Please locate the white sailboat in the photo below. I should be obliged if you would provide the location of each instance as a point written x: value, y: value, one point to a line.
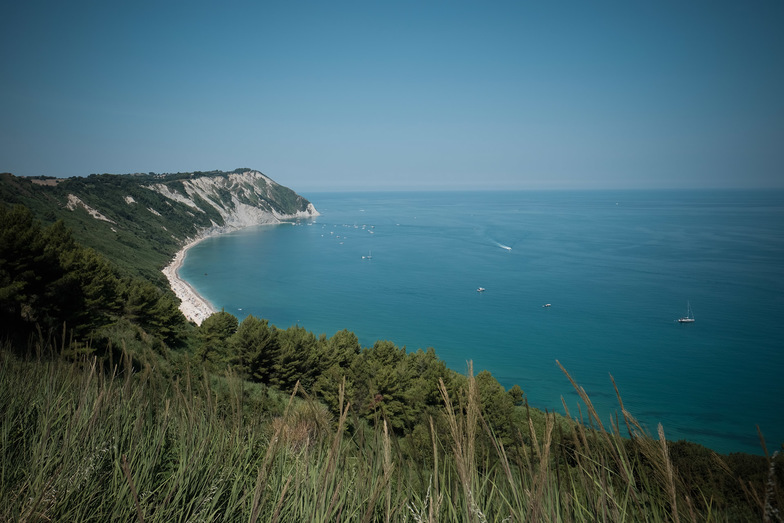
x: 689, y: 318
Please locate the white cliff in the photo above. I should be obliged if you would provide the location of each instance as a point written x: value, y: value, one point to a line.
x: 242, y: 200
x: 251, y: 199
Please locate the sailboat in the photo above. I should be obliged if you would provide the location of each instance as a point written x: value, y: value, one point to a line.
x: 689, y: 318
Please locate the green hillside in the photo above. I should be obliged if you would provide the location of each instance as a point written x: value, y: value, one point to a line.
x: 139, y: 228
x: 115, y: 408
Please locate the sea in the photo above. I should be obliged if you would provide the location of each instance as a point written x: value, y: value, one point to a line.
x: 594, y: 280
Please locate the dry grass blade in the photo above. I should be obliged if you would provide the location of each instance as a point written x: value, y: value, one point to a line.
x: 619, y: 459
x: 329, y: 472
x: 127, y: 472
x: 261, y: 480
x: 670, y: 479
x: 279, y: 505
x: 383, y: 483
x: 623, y: 409
x: 435, y: 501
x: 463, y: 429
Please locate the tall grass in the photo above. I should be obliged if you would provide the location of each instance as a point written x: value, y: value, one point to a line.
x: 78, y: 443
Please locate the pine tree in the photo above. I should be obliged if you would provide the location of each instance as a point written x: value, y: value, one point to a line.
x: 254, y: 348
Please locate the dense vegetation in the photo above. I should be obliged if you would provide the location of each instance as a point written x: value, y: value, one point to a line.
x: 48, y: 282
x: 115, y: 408
x: 145, y: 227
x: 100, y: 440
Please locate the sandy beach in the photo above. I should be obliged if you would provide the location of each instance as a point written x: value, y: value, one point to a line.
x: 237, y: 216
x: 193, y: 306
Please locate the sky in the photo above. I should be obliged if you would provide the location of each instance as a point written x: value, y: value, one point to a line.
x: 388, y: 94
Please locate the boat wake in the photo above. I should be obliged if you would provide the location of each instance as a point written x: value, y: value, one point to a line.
x: 503, y: 246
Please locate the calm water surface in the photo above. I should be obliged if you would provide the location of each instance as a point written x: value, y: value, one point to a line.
x: 617, y: 268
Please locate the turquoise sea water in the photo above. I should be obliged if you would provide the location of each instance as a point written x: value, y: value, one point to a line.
x: 617, y: 268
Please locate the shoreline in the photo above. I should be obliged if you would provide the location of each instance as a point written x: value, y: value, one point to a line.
x: 193, y: 305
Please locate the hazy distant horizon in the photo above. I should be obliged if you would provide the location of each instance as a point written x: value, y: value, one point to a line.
x: 453, y: 188
x: 407, y: 94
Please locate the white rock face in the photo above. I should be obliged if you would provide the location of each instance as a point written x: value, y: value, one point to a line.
x: 74, y: 202
x: 173, y: 195
x: 236, y: 214
x: 251, y: 186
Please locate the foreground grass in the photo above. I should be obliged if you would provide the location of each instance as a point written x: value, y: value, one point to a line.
x: 78, y: 443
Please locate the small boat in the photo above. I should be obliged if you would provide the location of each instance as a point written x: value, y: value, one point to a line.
x: 547, y: 305
x: 689, y: 318
x: 369, y: 256
x: 481, y: 289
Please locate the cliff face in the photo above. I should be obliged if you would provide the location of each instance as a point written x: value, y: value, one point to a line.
x: 140, y: 221
x: 239, y: 199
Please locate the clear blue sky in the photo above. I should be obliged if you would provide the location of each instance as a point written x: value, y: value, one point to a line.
x: 397, y: 94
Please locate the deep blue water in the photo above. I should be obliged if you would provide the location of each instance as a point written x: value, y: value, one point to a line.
x: 617, y: 267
